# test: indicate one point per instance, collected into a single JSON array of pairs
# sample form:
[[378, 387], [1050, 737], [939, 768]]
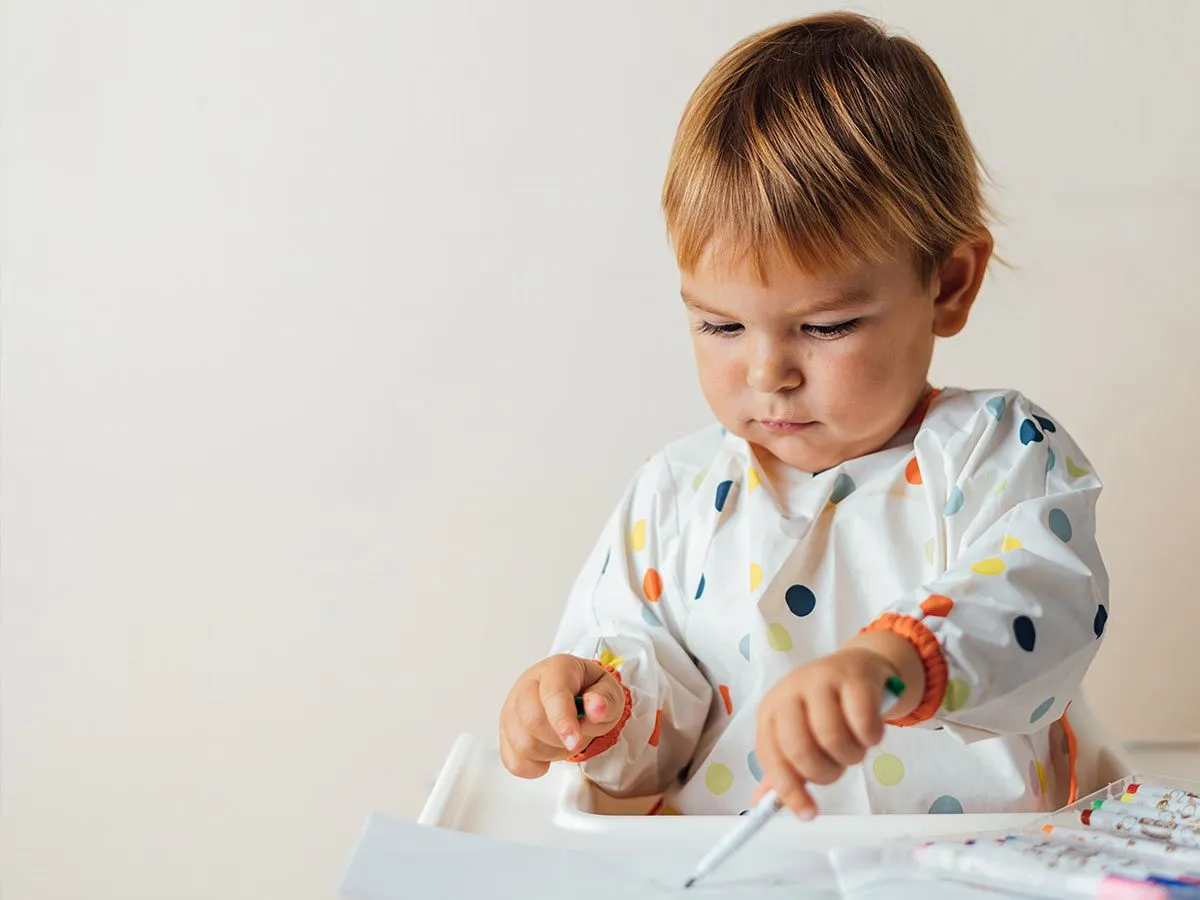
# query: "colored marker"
[[1046, 869], [1185, 804], [1133, 807], [1173, 854], [1134, 825], [766, 808]]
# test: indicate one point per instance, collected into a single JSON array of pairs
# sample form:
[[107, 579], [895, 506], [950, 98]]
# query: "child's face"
[[819, 369]]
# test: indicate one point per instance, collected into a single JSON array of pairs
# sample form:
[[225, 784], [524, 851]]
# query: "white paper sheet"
[[396, 859]]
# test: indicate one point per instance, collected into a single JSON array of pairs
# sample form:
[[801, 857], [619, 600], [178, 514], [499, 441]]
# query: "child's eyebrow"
[[831, 303]]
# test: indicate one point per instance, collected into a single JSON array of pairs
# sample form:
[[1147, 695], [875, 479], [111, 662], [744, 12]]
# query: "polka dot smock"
[[717, 575]]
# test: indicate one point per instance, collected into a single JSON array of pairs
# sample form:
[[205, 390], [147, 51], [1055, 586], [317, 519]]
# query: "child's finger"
[[781, 775], [827, 720], [558, 703], [860, 702], [799, 746], [603, 704], [519, 765]]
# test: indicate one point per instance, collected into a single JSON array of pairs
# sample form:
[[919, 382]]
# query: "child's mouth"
[[784, 426]]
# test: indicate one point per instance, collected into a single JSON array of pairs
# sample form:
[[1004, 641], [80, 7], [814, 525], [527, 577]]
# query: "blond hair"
[[826, 139]]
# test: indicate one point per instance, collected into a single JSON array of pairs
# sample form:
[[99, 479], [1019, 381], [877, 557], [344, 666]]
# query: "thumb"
[[603, 700]]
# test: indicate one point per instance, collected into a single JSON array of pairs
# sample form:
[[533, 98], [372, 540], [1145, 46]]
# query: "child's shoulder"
[[955, 409]]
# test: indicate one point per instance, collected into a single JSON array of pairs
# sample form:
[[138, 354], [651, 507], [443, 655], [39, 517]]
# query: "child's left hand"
[[824, 716]]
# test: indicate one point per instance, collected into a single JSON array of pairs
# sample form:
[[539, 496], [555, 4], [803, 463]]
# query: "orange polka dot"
[[727, 698], [657, 728], [937, 605], [652, 585], [912, 473]]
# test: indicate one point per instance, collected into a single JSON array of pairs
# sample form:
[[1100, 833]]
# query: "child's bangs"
[[747, 206]]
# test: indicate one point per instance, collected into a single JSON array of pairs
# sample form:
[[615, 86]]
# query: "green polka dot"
[[778, 638], [888, 769], [699, 479], [957, 694], [719, 778]]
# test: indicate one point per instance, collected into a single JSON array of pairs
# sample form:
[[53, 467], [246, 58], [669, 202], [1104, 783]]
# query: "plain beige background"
[[332, 331]]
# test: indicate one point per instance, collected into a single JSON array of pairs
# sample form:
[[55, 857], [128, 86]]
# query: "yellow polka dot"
[[1011, 543], [1000, 486], [755, 576], [957, 694], [888, 769], [637, 540], [929, 548], [668, 811], [990, 566], [752, 479], [719, 778], [699, 480], [778, 638], [608, 658]]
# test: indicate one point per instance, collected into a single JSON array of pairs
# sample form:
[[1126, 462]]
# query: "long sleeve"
[[1021, 601], [626, 610]]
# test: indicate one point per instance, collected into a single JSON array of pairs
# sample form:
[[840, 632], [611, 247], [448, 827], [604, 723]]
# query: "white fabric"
[[999, 519]]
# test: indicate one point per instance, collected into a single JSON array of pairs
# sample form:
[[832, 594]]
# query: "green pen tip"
[[895, 685], [579, 711]]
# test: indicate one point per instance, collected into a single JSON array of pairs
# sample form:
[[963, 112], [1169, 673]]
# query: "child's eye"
[[726, 330], [831, 331]]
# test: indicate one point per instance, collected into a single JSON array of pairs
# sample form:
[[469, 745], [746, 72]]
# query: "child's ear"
[[956, 283]]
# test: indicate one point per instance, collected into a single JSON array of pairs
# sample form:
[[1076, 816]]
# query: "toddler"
[[846, 522]]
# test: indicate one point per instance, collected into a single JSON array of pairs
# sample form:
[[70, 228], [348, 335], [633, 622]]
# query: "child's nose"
[[772, 369]]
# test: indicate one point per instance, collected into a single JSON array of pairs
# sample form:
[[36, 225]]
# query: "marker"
[[770, 804], [1172, 854], [1185, 804], [1140, 826], [1050, 870], [579, 711], [1161, 814]]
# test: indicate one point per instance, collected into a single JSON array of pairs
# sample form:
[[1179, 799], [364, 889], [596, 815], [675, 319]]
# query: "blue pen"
[[770, 804]]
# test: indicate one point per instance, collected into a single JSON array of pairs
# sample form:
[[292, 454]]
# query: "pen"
[[768, 806]]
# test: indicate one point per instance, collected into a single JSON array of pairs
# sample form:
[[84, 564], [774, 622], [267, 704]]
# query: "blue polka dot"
[[954, 502], [755, 768], [946, 805], [1046, 424], [843, 487], [1025, 633], [1043, 708], [1101, 619], [1060, 525], [800, 600], [1030, 433], [650, 617], [996, 407], [1050, 459], [700, 588], [723, 494], [744, 646]]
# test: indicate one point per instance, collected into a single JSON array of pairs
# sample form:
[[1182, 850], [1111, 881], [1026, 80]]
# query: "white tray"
[[582, 808], [474, 793]]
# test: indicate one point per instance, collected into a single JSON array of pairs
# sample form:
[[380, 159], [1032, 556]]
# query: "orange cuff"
[[610, 737], [930, 651]]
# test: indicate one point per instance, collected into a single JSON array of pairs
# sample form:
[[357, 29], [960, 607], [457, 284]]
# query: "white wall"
[[332, 330]]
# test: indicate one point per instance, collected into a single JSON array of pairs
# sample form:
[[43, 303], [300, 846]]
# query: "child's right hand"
[[539, 724]]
